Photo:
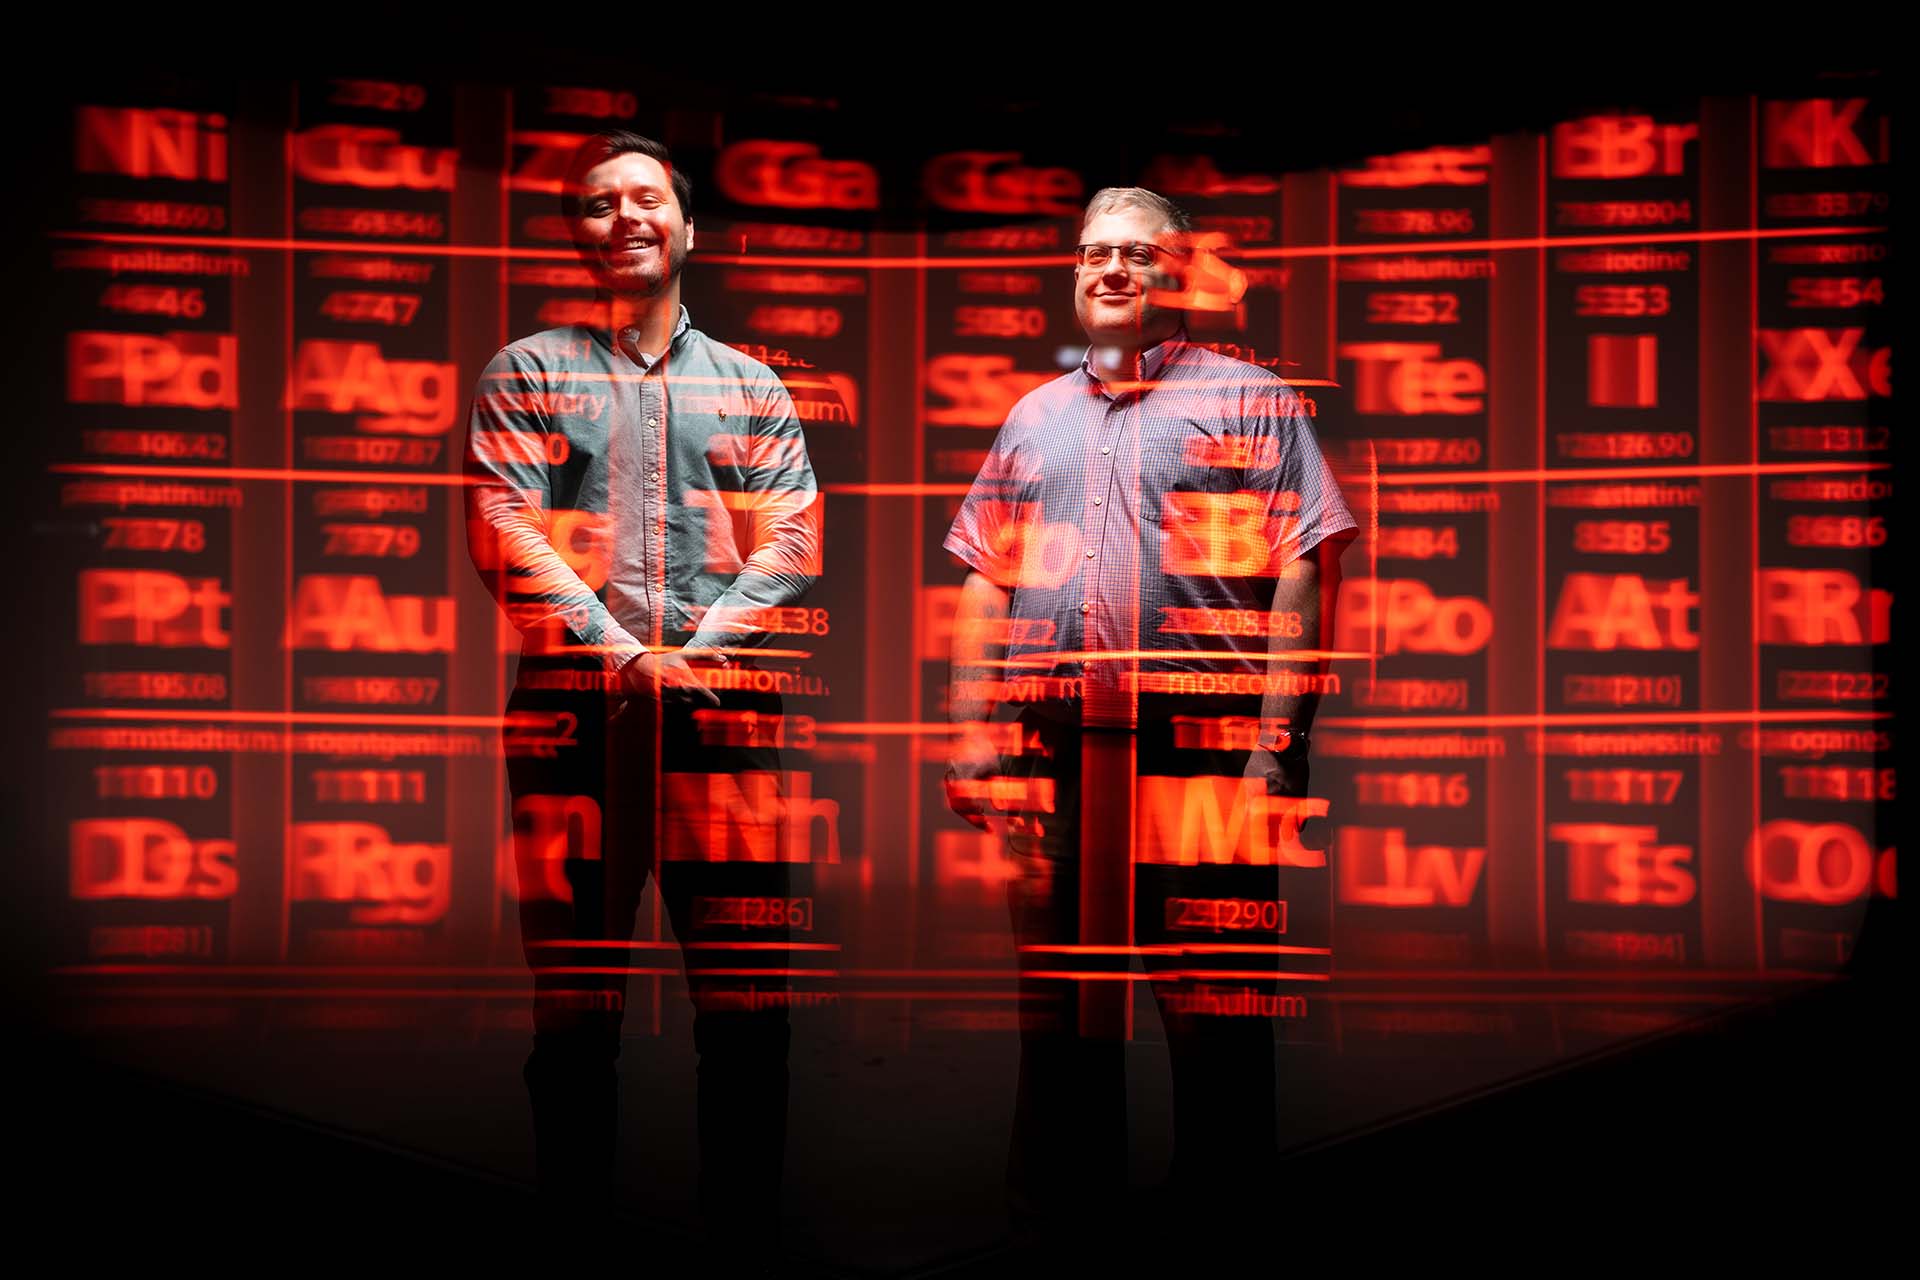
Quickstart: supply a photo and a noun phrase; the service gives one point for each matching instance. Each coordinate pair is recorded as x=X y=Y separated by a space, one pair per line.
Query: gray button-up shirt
x=618 y=501
x=1150 y=517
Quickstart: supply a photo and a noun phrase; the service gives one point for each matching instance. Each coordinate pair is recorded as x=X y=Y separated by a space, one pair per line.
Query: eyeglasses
x=1137 y=255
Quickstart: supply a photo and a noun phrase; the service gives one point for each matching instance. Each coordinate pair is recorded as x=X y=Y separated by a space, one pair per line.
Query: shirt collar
x=1151 y=362
x=644 y=360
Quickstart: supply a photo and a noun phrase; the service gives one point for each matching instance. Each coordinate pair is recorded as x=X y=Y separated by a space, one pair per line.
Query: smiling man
x=639 y=499
x=1152 y=544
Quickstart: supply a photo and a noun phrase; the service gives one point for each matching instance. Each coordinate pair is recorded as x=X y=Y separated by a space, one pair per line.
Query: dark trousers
x=1073 y=928
x=593 y=818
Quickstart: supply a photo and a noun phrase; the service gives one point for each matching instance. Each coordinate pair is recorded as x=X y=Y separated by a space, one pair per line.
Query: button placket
x=656 y=544
x=1112 y=430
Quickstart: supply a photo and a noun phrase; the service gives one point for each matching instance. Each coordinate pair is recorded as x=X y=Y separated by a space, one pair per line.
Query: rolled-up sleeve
x=546 y=590
x=784 y=527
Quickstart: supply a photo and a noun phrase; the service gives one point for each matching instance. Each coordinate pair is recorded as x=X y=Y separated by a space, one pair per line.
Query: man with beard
x=606 y=466
x=1153 y=542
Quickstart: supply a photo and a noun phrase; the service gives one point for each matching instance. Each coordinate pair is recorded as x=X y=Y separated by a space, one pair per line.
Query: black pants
x=619 y=798
x=1068 y=1151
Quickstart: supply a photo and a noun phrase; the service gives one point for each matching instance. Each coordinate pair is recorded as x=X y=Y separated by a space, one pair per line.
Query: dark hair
x=602 y=147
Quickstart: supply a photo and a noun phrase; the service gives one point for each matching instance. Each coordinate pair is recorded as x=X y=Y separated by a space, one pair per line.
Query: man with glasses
x=1153 y=544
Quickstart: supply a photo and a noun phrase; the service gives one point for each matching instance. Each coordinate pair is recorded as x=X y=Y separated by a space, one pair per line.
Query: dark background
x=1769 y=1124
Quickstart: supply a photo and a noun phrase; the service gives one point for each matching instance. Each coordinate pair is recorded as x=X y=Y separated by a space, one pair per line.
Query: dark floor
x=1772 y=1128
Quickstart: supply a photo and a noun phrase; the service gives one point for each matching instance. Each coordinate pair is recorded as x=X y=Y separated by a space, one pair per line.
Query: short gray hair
x=1107 y=199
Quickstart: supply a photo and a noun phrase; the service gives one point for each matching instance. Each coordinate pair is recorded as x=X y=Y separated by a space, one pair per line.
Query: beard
x=649 y=281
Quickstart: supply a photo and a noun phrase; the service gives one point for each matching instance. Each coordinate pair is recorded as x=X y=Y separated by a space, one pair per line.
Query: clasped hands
x=666 y=677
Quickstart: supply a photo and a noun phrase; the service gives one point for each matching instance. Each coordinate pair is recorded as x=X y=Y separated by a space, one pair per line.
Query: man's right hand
x=971 y=758
x=658 y=676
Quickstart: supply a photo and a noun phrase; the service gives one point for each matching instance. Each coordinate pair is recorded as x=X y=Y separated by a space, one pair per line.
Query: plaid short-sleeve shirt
x=1141 y=527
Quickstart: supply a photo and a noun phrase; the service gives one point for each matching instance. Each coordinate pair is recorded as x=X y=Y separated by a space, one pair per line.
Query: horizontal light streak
x=1551 y=719
x=1626 y=238
x=518 y=720
x=1533 y=475
x=1166 y=655
x=1623 y=472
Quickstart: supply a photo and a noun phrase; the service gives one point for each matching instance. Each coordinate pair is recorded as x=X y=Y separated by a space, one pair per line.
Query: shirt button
x=653 y=422
x=1106 y=449
x=653 y=475
x=1096 y=502
x=1089 y=555
x=1085 y=608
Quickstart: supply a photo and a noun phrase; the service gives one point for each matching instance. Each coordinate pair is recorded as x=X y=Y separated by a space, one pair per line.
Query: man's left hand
x=1274 y=776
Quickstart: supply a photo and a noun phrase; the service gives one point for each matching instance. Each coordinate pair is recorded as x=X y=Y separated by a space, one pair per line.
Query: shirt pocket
x=1181 y=469
x=1178 y=492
